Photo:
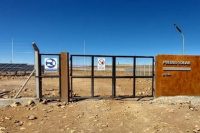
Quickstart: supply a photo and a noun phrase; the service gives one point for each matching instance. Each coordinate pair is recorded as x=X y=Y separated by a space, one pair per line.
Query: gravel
x=194 y=100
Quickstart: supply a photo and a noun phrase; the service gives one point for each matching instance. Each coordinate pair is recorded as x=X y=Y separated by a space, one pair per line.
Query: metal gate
x=86 y=67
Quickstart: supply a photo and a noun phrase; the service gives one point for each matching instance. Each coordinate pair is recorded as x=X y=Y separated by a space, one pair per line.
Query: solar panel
x=14 y=68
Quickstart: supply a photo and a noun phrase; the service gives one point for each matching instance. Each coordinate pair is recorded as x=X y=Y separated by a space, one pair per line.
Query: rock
x=22 y=128
x=197 y=128
x=31 y=103
x=32 y=108
x=72 y=131
x=59 y=104
x=65 y=103
x=32 y=117
x=15 y=104
x=191 y=107
x=44 y=109
x=104 y=125
x=58 y=100
x=187 y=130
x=63 y=106
x=7 y=118
x=64 y=117
x=44 y=101
x=16 y=121
x=48 y=111
x=19 y=123
x=2 y=128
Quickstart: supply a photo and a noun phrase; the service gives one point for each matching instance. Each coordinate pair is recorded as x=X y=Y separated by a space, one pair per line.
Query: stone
x=63 y=106
x=7 y=118
x=15 y=104
x=187 y=130
x=104 y=125
x=31 y=103
x=32 y=117
x=58 y=100
x=44 y=109
x=192 y=109
x=195 y=131
x=64 y=117
x=72 y=131
x=2 y=128
x=20 y=123
x=44 y=101
x=65 y=103
x=22 y=128
x=59 y=104
x=48 y=111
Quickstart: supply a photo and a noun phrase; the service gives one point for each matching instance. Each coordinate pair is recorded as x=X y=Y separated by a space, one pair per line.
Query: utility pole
x=12 y=52
x=84 y=53
x=183 y=38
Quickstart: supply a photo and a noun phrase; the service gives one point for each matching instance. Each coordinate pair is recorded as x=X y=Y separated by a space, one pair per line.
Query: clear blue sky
x=119 y=27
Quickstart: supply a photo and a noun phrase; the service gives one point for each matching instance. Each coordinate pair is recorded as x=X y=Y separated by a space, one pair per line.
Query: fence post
x=37 y=65
x=64 y=76
x=113 y=77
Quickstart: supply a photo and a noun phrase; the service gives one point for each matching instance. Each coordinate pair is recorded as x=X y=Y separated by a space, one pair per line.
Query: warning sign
x=101 y=64
x=50 y=64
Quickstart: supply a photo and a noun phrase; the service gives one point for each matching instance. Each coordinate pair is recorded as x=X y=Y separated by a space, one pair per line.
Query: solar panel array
x=15 y=69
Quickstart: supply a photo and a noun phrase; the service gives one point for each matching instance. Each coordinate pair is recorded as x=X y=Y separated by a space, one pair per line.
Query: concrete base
x=9 y=101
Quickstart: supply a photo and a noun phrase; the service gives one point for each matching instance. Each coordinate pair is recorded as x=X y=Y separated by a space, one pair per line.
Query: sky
x=111 y=27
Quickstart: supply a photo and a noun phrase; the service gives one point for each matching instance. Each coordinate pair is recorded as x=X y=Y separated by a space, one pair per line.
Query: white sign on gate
x=101 y=64
x=50 y=64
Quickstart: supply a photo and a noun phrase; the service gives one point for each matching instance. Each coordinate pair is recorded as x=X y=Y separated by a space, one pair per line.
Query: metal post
x=183 y=37
x=113 y=76
x=152 y=77
x=71 y=74
x=134 y=74
x=149 y=70
x=12 y=52
x=37 y=66
x=92 y=78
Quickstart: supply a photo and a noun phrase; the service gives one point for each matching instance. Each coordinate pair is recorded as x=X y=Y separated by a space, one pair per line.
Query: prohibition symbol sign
x=51 y=64
x=101 y=64
x=101 y=61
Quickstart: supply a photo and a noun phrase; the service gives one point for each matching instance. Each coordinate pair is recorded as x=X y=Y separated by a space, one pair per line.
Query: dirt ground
x=146 y=115
x=109 y=116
